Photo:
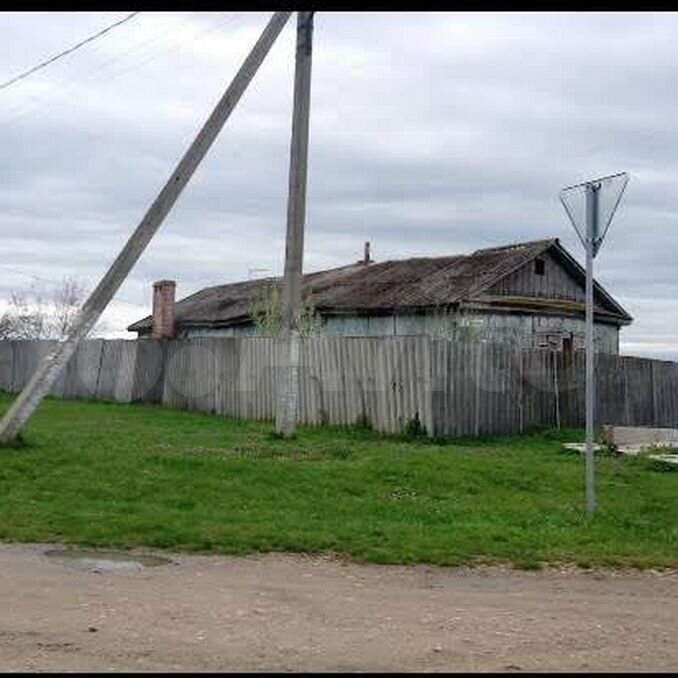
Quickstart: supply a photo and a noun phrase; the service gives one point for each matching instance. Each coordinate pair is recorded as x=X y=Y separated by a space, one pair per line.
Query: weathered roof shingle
x=419 y=282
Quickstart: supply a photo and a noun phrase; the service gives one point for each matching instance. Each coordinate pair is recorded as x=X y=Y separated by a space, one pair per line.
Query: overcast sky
x=431 y=134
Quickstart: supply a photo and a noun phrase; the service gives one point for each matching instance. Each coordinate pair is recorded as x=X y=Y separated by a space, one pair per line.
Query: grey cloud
x=430 y=134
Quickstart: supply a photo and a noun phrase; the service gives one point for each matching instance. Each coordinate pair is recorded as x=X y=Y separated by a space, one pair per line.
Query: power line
x=43 y=64
x=61 y=91
x=71 y=82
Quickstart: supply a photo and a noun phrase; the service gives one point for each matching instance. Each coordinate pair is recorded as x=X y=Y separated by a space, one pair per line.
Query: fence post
x=521 y=395
x=476 y=350
x=653 y=384
x=627 y=414
x=555 y=387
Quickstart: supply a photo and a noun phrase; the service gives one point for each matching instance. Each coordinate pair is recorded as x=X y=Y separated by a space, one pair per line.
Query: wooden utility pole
x=288 y=386
x=50 y=368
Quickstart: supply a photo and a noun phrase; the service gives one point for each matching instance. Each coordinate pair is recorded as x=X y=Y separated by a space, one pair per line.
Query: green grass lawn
x=137 y=475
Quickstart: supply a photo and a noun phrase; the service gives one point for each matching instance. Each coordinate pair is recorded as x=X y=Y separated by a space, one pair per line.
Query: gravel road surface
x=283 y=612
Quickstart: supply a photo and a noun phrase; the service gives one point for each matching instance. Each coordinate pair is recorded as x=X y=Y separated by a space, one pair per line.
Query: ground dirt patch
x=303 y=613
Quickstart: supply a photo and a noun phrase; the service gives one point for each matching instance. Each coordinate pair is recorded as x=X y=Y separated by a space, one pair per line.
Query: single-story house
x=530 y=293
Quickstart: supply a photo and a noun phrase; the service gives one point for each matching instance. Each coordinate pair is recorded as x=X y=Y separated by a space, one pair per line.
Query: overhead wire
x=65 y=52
x=111 y=75
x=63 y=86
x=104 y=138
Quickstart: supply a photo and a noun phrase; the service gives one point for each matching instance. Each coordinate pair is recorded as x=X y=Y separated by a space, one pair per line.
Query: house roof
x=400 y=285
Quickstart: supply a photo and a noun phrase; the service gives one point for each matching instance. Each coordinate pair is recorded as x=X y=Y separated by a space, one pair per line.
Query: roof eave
x=622 y=312
x=521 y=304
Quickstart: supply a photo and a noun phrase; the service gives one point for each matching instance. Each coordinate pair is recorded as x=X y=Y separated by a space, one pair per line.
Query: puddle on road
x=106 y=561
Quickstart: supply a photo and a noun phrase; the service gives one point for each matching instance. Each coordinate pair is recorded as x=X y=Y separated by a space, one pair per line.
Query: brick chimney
x=163 y=309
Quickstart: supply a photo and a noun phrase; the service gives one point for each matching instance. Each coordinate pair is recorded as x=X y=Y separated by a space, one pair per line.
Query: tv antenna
x=251 y=272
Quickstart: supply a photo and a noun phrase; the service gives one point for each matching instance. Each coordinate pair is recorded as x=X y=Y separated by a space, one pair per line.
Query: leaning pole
x=52 y=365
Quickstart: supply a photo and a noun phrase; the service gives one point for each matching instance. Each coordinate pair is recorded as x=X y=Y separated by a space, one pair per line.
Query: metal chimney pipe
x=366 y=254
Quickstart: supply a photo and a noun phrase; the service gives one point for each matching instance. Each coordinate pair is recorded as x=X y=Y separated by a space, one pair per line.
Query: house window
x=541 y=340
x=539 y=266
x=550 y=340
x=555 y=342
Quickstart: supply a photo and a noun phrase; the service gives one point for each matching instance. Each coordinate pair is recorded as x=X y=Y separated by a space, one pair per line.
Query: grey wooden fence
x=451 y=388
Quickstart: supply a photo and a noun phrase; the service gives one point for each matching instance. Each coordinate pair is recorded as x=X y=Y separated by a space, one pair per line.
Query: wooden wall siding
x=244 y=330
x=522 y=328
x=496 y=327
x=6 y=365
x=556 y=283
x=453 y=388
x=149 y=371
x=638 y=374
x=474 y=389
x=609 y=405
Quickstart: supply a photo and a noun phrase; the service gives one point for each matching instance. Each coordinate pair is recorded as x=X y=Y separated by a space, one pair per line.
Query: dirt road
x=289 y=612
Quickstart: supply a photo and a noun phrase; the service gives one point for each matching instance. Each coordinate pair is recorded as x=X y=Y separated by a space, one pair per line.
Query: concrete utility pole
x=288 y=386
x=50 y=368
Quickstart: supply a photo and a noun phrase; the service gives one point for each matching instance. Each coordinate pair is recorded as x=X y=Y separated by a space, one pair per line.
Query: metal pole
x=50 y=368
x=288 y=387
x=591 y=234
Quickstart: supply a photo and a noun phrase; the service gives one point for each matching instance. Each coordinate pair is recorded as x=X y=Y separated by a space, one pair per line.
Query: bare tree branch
x=42 y=312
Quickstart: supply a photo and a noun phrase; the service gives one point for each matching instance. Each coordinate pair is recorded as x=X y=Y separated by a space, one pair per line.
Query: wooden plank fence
x=451 y=388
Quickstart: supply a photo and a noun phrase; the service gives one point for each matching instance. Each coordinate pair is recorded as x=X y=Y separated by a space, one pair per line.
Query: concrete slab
x=641 y=436
x=624 y=449
x=667 y=458
x=581 y=447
